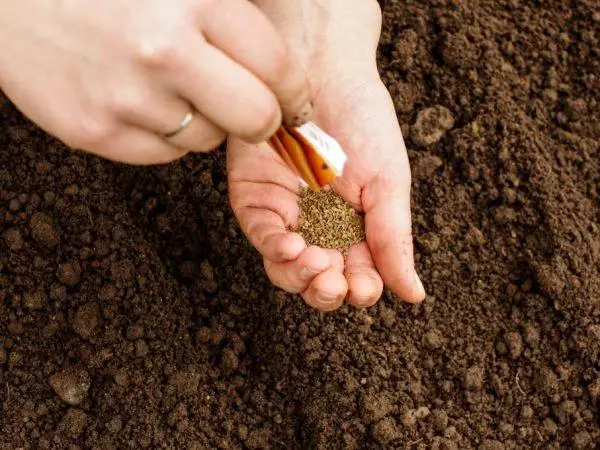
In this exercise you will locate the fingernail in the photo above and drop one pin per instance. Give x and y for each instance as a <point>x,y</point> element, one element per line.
<point>303,116</point>
<point>307,273</point>
<point>420,286</point>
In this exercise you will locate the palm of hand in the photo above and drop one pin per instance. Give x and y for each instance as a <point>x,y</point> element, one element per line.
<point>263,193</point>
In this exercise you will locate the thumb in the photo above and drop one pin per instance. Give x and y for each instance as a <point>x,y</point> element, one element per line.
<point>388,230</point>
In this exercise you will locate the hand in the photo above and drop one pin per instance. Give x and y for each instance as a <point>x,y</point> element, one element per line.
<point>351,103</point>
<point>114,76</point>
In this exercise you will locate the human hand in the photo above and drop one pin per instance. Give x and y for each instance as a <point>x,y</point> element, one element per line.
<point>114,77</point>
<point>352,104</point>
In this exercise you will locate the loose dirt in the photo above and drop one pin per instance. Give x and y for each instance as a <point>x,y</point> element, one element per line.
<point>134,314</point>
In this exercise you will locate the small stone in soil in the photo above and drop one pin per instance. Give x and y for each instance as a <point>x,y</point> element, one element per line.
<point>327,221</point>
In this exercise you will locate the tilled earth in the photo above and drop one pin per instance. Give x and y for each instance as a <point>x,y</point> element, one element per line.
<point>134,314</point>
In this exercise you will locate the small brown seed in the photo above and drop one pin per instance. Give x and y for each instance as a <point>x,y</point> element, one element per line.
<point>328,221</point>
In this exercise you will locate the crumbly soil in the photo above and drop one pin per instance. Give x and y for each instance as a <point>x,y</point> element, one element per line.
<point>134,314</point>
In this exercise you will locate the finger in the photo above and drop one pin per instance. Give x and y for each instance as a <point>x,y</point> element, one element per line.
<point>161,112</point>
<point>336,258</point>
<point>245,197</point>
<point>258,163</point>
<point>364,282</point>
<point>133,145</point>
<point>224,92</point>
<point>266,231</point>
<point>295,276</point>
<point>327,290</point>
<point>388,230</point>
<point>200,135</point>
<point>244,33</point>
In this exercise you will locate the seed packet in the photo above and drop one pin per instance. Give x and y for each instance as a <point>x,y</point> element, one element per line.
<point>314,156</point>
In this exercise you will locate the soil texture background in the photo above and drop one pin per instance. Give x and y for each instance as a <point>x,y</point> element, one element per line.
<point>134,314</point>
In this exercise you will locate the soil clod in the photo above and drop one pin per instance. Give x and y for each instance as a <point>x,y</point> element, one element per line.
<point>71,385</point>
<point>86,320</point>
<point>431,125</point>
<point>43,230</point>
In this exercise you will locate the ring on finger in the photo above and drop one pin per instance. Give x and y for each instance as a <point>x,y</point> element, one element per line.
<point>189,117</point>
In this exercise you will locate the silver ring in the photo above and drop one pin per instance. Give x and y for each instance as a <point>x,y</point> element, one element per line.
<point>184,123</point>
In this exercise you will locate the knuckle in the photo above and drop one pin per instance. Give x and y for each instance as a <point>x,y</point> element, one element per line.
<point>158,52</point>
<point>88,134</point>
<point>127,102</point>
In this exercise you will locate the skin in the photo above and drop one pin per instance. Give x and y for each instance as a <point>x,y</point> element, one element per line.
<point>114,77</point>
<point>351,103</point>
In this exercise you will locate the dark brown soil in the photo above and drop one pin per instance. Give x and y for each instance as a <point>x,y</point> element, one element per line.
<point>134,314</point>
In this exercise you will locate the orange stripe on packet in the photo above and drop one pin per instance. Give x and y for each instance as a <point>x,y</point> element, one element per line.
<point>280,149</point>
<point>324,174</point>
<point>296,152</point>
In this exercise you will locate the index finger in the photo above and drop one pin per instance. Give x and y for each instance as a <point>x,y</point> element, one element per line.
<point>245,34</point>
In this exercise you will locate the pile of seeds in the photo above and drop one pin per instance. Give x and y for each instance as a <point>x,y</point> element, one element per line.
<point>328,221</point>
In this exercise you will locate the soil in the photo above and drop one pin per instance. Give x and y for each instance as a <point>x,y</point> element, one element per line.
<point>134,314</point>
